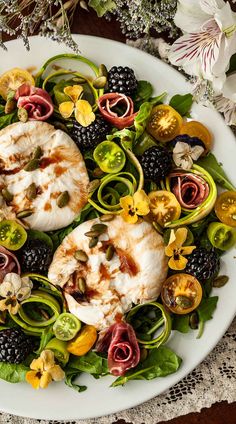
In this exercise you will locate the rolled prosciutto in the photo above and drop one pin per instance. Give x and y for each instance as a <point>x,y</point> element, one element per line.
<point>108,104</point>
<point>36,101</point>
<point>8,263</point>
<point>190,189</point>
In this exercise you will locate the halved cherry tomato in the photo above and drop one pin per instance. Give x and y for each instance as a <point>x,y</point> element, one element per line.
<point>109,157</point>
<point>13,79</point>
<point>164,207</point>
<point>164,123</point>
<point>225,208</point>
<point>221,236</point>
<point>181,293</point>
<point>83,342</point>
<point>12,235</point>
<point>196,129</point>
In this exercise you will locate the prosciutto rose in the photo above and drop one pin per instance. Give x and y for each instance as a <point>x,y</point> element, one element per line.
<point>121,344</point>
<point>109,102</point>
<point>190,190</point>
<point>36,101</point>
<point>8,263</point>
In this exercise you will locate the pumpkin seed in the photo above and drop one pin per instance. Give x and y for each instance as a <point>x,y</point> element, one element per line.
<point>22,114</point>
<point>24,214</point>
<point>32,165</point>
<point>31,191</point>
<point>93,185</point>
<point>110,252</point>
<point>63,199</point>
<point>102,71</point>
<point>107,217</point>
<point>81,285</point>
<point>97,172</point>
<point>183,301</point>
<point>143,354</point>
<point>38,153</point>
<point>79,80</point>
<point>220,281</point>
<point>99,82</point>
<point>81,256</point>
<point>7,195</point>
<point>194,321</point>
<point>10,106</point>
<point>92,233</point>
<point>93,242</point>
<point>101,228</point>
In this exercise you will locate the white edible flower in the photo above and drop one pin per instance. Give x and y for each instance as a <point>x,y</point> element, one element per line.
<point>226,103</point>
<point>184,154</point>
<point>209,39</point>
<point>14,289</point>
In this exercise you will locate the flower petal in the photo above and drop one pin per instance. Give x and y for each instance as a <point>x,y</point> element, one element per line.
<point>3,306</point>
<point>84,113</point>
<point>177,264</point>
<point>211,6</point>
<point>37,365</point>
<point>45,380</point>
<point>141,202</point>
<point>131,219</point>
<point>13,279</point>
<point>187,250</point>
<point>181,235</point>
<point>196,152</point>
<point>56,373</point>
<point>13,309</point>
<point>66,109</point>
<point>6,289</point>
<point>229,88</point>
<point>189,16</point>
<point>127,202</point>
<point>33,378</point>
<point>48,359</point>
<point>73,91</point>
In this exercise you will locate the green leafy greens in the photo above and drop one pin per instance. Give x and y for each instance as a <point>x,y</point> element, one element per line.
<point>13,373</point>
<point>182,103</point>
<point>211,164</point>
<point>205,311</point>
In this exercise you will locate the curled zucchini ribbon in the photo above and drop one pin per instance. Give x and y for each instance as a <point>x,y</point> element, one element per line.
<point>41,309</point>
<point>158,321</point>
<point>194,215</point>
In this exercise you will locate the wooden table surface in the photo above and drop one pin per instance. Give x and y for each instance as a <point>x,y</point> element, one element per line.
<point>219,413</point>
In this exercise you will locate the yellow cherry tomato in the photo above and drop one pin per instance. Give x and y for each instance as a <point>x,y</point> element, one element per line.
<point>13,79</point>
<point>196,129</point>
<point>164,207</point>
<point>225,208</point>
<point>164,123</point>
<point>83,342</point>
<point>181,293</point>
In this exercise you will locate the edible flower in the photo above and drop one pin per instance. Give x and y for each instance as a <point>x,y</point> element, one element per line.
<point>14,289</point>
<point>176,251</point>
<point>44,371</point>
<point>184,154</point>
<point>134,206</point>
<point>81,108</point>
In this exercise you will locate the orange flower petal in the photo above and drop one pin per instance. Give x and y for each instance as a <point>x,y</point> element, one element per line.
<point>177,264</point>
<point>73,91</point>
<point>47,356</point>
<point>84,113</point>
<point>56,373</point>
<point>187,250</point>
<point>127,202</point>
<point>45,380</point>
<point>131,219</point>
<point>141,202</point>
<point>33,378</point>
<point>37,365</point>
<point>66,109</point>
<point>180,236</point>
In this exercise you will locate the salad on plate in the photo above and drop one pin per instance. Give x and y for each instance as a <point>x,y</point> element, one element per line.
<point>114,214</point>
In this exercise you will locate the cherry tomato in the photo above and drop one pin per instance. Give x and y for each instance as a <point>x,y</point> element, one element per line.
<point>109,157</point>
<point>181,293</point>
<point>196,129</point>
<point>59,349</point>
<point>221,236</point>
<point>66,326</point>
<point>12,235</point>
<point>164,123</point>
<point>13,79</point>
<point>164,207</point>
<point>225,208</point>
<point>82,343</point>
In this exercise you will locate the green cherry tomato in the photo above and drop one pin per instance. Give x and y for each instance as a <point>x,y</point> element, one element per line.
<point>221,235</point>
<point>109,157</point>
<point>59,349</point>
<point>66,326</point>
<point>12,235</point>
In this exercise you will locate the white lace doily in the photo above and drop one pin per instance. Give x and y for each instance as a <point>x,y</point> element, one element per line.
<point>200,389</point>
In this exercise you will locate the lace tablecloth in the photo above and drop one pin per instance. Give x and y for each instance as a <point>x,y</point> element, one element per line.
<point>214,380</point>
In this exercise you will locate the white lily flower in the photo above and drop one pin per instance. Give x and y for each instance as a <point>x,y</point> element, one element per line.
<point>14,289</point>
<point>184,154</point>
<point>209,40</point>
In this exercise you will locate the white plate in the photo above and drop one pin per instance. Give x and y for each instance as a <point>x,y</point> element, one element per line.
<point>59,402</point>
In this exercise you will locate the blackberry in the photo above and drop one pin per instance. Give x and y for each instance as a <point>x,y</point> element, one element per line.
<point>15,345</point>
<point>185,138</point>
<point>35,256</point>
<point>156,163</point>
<point>122,80</point>
<point>203,263</point>
<point>89,137</point>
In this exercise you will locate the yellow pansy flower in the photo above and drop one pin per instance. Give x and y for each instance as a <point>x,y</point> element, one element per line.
<point>134,206</point>
<point>176,251</point>
<point>82,109</point>
<point>44,371</point>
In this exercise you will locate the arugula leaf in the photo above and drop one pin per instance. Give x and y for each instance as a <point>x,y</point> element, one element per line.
<point>13,373</point>
<point>143,93</point>
<point>92,363</point>
<point>8,119</point>
<point>140,121</point>
<point>157,100</point>
<point>205,311</point>
<point>181,323</point>
<point>211,165</point>
<point>102,6</point>
<point>182,103</point>
<point>160,362</point>
<point>70,376</point>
